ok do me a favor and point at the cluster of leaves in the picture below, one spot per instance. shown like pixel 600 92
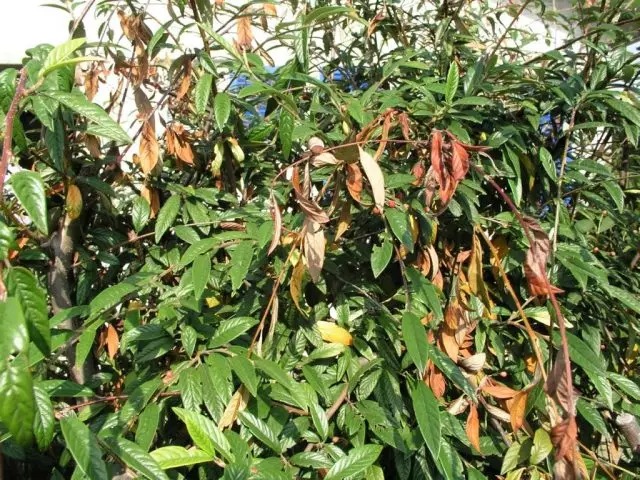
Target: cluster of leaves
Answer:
pixel 407 252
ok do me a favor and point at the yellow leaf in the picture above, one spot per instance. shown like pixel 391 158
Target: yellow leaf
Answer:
pixel 345 220
pixel 237 404
pixel 333 333
pixel 476 282
pixel 212 302
pixel 295 284
pixel 74 202
pixel 113 342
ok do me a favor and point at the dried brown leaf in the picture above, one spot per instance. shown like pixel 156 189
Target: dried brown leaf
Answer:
pixel 112 342
pixel 535 265
pixel 148 151
pixel 244 33
pixel 354 181
pixel 295 284
pixel 237 404
pixel 73 202
pixel 517 407
pixel 498 390
pixel 277 223
pixel 344 221
pixel 314 247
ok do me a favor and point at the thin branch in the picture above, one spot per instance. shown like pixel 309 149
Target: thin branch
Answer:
pixel 506 31
pixel 8 130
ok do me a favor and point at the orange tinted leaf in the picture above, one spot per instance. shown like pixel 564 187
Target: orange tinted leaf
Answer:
pixel 74 202
pixel 244 34
pixel 517 406
pixel 354 181
pixel 473 427
pixel 270 9
pixel 112 341
pixel 237 404
pixel 497 390
pixel 148 153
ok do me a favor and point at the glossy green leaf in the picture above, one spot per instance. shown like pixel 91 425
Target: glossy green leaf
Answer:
pixel 15 335
pixel 399 222
pixel 44 420
pixel 381 256
pixel 202 92
pixel 84 448
pixel 135 457
pixel 29 189
pixel 17 401
pixel 222 109
pixel 167 216
pixel 174 457
pixel 427 414
pixel 205 434
pixel 415 338
pixel 261 430
pixel 240 261
pixel 246 372
pixel 451 87
pixel 354 462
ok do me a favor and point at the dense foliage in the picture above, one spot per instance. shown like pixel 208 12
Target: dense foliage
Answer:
pixel 355 239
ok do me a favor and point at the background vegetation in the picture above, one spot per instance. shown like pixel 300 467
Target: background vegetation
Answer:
pixel 356 239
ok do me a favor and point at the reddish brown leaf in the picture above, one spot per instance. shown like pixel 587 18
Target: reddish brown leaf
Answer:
pixel 473 427
pixel 185 79
pixel 91 82
pixel 112 341
pixel 277 224
pixel 93 145
pixel 563 438
pixel 314 246
pixel 436 157
pixel 405 125
pixel 535 266
pixel 151 196
pixel 436 381
pixel 386 126
pixel 311 209
pixel 418 171
pixel 344 221
pixel 557 385
pixel 459 161
pixel 517 406
pixel 354 181
pixel 381 15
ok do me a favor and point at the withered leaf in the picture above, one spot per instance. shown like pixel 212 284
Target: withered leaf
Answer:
pixel 476 282
pixel 344 221
pixel 498 390
pixel 236 405
pixel 277 223
pixel 295 284
pixel 73 202
pixel 314 247
pixel 563 438
pixel 244 34
pixel 354 181
pixel 374 175
pixel 517 407
pixel 112 341
pixel 535 265
pixel 473 427
pixel 151 195
pixel 148 151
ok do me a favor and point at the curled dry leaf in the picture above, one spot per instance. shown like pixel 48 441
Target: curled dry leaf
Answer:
pixel 316 145
pixel 244 33
pixel 498 413
pixel 535 264
pixel 236 405
pixel 178 143
pixel 344 221
pixel 93 145
pixel 474 363
pixel 91 82
pixel 374 175
pixel 557 385
pixel 311 209
pixel 332 333
pixel 270 9
pixel 373 24
pixel 322 159
pixel 473 427
pixel 476 282
pixel 185 78
pixel 151 196
pixel 354 181
pixel 458 406
pixel 314 246
pixel 148 152
pixel 563 438
pixel 295 284
pixel 277 223
pixel 435 380
pixel 73 202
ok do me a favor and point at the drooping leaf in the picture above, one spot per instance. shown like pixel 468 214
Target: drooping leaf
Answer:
pixel 222 109
pixel 427 413
pixel 44 420
pixel 167 216
pixel 84 448
pixel 354 462
pixel 374 175
pixel 415 338
pixel 17 401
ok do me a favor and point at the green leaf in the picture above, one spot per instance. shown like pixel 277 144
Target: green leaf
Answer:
pixel 84 448
pixel 548 164
pixel 246 372
pixel 591 415
pixel 231 329
pixel 451 371
pixel 107 127
pixel 140 210
pixel 29 189
pixel 110 297
pixel 62 55
pixel 322 13
pixel 311 460
pixel 415 338
pixel 541 446
pixel 200 272
pixel 7 240
pixel 15 335
pixel 399 222
pixel 44 421
pixel 147 425
pixel 135 457
pixel 285 132
pixel 205 434
pixel 626 110
pixel 425 292
pixel 65 388
pixel 628 299
pixel 357 460
pixel 625 384
pixel 240 261
pixel 451 86
pixel 202 91
pixel 427 411
pixel 222 109
pixel 167 215
pixel 260 430
pixel 17 402
pixel 616 193
pixel 23 285
pixel 320 421
pixel 380 256
pixel 174 457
